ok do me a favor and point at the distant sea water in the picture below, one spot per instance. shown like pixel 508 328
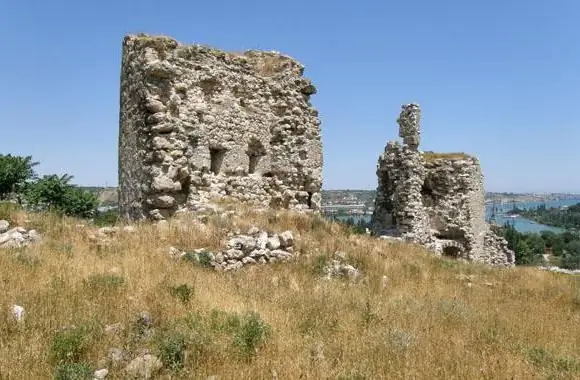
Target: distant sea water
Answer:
pixel 526 225
pixel 520 224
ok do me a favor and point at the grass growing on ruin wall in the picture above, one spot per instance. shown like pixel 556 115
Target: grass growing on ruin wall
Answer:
pixel 432 156
pixel 410 315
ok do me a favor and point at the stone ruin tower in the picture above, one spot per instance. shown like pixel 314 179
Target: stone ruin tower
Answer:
pixel 198 123
pixel 434 199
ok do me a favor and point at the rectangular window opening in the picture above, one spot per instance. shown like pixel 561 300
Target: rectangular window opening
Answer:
pixel 217 159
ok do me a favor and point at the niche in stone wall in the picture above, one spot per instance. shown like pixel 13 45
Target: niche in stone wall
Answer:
pixel 451 251
pixel 427 194
pixel 216 156
pixel 255 153
pixel 209 87
pixel 451 233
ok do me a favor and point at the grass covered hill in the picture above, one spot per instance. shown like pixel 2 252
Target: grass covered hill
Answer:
pixel 410 315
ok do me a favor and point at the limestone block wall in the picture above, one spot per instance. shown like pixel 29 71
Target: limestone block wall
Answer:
pixel 453 195
pixel 198 123
pixel 411 217
pixel 388 175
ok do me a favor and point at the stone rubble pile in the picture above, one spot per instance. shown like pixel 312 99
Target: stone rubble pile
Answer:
pixel 339 268
pixel 16 237
pixel 255 247
pixel 144 366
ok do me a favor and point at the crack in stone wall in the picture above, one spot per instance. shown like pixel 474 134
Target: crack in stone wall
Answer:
pixel 434 199
pixel 197 123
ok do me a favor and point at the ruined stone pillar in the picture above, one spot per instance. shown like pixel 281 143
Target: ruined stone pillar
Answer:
pixel 409 125
pixel 410 214
pixel 399 208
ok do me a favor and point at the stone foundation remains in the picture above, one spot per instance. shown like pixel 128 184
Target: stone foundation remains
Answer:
pixel 255 247
pixel 198 123
pixel 434 199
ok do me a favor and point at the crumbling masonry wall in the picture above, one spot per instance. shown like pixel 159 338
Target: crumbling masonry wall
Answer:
pixel 198 123
pixel 434 199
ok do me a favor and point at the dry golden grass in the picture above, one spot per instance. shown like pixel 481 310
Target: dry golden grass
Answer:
pixel 410 316
pixel 432 156
pixel 270 65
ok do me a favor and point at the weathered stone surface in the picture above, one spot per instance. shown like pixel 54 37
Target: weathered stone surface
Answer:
pixel 100 374
pixel 286 239
pixel 144 319
pixel 115 356
pixel 4 225
pixel 18 313
pixel 198 123
pixel 143 367
pixel 262 240
pixel 16 237
pixel 340 268
pixel 273 242
pixel 436 200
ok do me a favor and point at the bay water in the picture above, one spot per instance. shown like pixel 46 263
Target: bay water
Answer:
pixel 520 224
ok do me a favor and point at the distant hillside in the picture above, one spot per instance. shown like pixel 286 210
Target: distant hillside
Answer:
pixel 107 196
pixel 366 197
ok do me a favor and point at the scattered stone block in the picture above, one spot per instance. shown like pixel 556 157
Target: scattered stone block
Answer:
pixel 143 367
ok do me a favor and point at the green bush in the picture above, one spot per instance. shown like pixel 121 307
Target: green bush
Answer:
pixel 73 371
pixel 15 173
pixel 171 348
pixel 543 358
pixel 251 334
pixel 182 292
pixel 249 331
pixel 106 218
pixel 202 258
pixel 571 260
pixel 320 264
pixel 70 345
pixel 54 193
pixel 224 322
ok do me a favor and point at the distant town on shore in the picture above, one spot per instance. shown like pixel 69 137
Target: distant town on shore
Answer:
pixel 361 202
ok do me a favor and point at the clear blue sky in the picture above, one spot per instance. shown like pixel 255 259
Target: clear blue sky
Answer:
pixel 497 78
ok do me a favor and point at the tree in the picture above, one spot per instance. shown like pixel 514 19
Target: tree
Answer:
pixel 15 174
pixel 571 257
pixel 54 193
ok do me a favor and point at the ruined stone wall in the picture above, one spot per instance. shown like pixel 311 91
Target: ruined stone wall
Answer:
pixel 198 123
pixel 434 199
pixel 383 220
pixel 453 195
